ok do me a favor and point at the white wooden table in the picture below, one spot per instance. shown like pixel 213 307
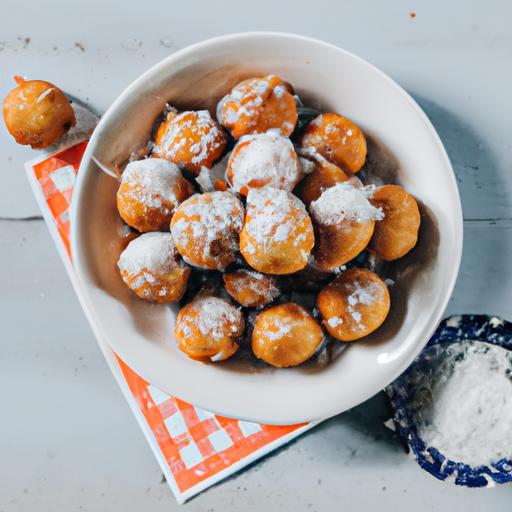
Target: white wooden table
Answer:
pixel 67 438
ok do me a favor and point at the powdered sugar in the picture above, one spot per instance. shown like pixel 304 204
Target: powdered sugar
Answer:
pixel 243 100
pixel 306 165
pixel 195 130
pixel 360 294
pixel 152 182
pixel 204 180
pixel 334 321
pixel 215 315
pixel 274 215
pixel 205 219
pixel 344 201
pixel 464 402
pixel 281 329
pixel 154 252
pixel 263 287
pixel 264 159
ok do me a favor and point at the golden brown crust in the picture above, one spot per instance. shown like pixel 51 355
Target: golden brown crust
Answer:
pixel 207 329
pixel 286 335
pixel 191 139
pixel 397 233
pixel 340 243
pixel 354 305
pixel 206 229
pixel 257 105
pixel 285 246
pixel 37 113
pixel 251 289
pixel 337 139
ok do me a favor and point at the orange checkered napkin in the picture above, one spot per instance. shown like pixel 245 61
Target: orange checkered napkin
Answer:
pixel 194 447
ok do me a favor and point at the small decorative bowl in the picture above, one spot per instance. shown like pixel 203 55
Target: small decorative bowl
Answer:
pixel 402 394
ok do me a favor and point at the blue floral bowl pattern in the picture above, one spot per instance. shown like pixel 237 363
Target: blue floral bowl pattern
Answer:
pixel 457 328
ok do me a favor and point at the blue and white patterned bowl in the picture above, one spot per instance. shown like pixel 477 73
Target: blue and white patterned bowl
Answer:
pixel 401 393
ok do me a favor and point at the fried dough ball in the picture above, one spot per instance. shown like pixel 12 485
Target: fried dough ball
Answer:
pixel 206 229
pixel 397 234
pixel 286 335
pixel 354 305
pixel 344 221
pixel 191 139
pixel 337 139
pixel 324 175
pixel 257 105
pixel 263 159
pixel 251 289
pixel 207 329
pixel 150 191
pixel 151 267
pixel 37 113
pixel 277 236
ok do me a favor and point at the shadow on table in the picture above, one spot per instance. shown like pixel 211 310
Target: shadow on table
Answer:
pixel 475 169
pixel 483 192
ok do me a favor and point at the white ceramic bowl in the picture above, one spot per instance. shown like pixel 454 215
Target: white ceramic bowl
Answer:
pixel 325 77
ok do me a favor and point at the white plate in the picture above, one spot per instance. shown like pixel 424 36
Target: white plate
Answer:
pixel 331 79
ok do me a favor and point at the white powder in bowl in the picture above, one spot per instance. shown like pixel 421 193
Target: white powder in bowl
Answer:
pixel 464 402
pixel 344 201
pixel 264 159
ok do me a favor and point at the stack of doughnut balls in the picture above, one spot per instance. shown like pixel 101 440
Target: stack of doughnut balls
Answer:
pixel 280 210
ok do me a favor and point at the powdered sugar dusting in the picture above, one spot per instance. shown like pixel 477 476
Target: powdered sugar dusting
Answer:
pixel 344 201
pixel 206 133
pixel 281 329
pixel 244 100
pixel 204 180
pixel 264 159
pixel 274 215
pixel 307 165
pixel 261 285
pixel 152 182
pixel 215 314
pixel 335 321
pixel 154 252
pixel 362 294
pixel 204 219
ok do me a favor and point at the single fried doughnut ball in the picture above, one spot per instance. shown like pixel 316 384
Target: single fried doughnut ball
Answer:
pixel 286 335
pixel 206 229
pixel 37 113
pixel 397 234
pixel 263 159
pixel 324 175
pixel 257 105
pixel 207 329
pixel 151 267
pixel 354 305
pixel 344 221
pixel 277 236
pixel 191 139
pixel 150 191
pixel 337 139
pixel 251 289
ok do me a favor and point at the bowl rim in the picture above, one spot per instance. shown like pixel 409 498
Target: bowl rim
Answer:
pixel 80 265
